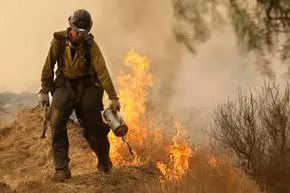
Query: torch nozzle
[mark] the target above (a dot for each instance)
(129, 147)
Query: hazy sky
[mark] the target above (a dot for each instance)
(180, 78)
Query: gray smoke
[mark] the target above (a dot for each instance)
(180, 79)
(117, 28)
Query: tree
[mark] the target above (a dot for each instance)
(261, 26)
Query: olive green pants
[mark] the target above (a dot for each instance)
(88, 110)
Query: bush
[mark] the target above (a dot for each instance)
(255, 128)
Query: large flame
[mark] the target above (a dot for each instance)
(133, 90)
(148, 140)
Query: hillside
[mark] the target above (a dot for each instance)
(26, 166)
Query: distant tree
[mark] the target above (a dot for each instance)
(261, 26)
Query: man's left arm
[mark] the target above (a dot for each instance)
(101, 70)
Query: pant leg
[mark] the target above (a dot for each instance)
(95, 130)
(61, 109)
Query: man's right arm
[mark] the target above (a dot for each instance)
(47, 74)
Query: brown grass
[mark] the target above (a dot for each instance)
(26, 166)
(255, 128)
(208, 177)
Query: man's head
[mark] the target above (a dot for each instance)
(80, 22)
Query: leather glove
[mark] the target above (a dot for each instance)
(115, 105)
(44, 99)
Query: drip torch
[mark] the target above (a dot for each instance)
(117, 125)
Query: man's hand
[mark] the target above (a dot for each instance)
(44, 99)
(115, 105)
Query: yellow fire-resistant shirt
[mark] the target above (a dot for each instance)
(76, 67)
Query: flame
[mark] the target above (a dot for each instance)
(147, 139)
(180, 154)
(133, 90)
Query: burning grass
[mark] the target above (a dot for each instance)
(147, 137)
(180, 165)
(205, 177)
(163, 161)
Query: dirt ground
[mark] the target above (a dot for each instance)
(26, 166)
(26, 162)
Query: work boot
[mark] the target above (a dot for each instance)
(105, 166)
(62, 175)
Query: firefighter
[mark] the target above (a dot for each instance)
(81, 78)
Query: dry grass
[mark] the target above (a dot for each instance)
(26, 166)
(255, 128)
(208, 175)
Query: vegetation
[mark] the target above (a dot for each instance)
(262, 27)
(255, 128)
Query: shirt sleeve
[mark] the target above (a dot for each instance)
(47, 74)
(99, 65)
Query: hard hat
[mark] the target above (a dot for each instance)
(81, 21)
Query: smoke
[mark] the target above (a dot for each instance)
(147, 27)
(27, 28)
(180, 79)
(118, 26)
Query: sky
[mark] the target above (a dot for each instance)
(181, 79)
